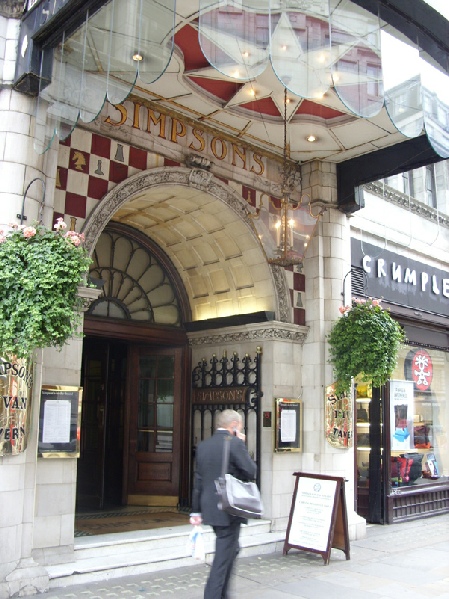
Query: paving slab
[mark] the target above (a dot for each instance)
(410, 559)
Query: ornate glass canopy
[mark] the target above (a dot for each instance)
(311, 45)
(102, 60)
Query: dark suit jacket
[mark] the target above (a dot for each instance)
(209, 459)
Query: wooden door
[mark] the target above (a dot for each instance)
(154, 426)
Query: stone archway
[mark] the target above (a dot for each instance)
(194, 179)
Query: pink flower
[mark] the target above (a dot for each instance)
(376, 302)
(74, 237)
(60, 224)
(2, 237)
(29, 232)
(342, 309)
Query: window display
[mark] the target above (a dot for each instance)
(402, 445)
(419, 417)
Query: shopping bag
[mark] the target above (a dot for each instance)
(239, 498)
(196, 543)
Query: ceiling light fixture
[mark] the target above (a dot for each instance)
(137, 57)
(311, 138)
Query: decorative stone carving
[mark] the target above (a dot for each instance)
(405, 201)
(195, 161)
(282, 293)
(88, 296)
(12, 9)
(294, 333)
(199, 178)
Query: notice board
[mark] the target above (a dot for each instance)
(318, 517)
(59, 421)
(288, 424)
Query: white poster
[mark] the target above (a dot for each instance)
(401, 415)
(56, 425)
(312, 515)
(288, 426)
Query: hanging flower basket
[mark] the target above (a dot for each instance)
(39, 278)
(365, 341)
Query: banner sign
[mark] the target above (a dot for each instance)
(16, 384)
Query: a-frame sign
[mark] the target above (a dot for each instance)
(318, 518)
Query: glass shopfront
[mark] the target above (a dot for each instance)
(419, 418)
(402, 463)
(402, 453)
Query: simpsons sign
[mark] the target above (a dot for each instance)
(16, 381)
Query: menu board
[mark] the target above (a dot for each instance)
(288, 424)
(318, 518)
(59, 421)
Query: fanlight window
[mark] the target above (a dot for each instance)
(135, 285)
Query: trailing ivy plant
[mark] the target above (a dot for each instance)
(40, 273)
(365, 341)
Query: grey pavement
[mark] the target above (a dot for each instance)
(410, 559)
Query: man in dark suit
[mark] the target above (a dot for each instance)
(209, 460)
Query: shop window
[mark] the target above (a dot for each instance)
(430, 190)
(419, 418)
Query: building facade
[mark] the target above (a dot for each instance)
(189, 313)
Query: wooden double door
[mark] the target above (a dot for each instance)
(131, 436)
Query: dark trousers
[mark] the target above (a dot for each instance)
(226, 550)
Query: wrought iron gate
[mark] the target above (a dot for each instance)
(228, 383)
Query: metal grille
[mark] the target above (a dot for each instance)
(226, 374)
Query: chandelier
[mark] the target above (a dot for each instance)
(285, 224)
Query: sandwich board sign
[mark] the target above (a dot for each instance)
(318, 518)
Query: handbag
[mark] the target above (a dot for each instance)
(236, 497)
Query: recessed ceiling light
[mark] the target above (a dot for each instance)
(245, 54)
(137, 57)
(311, 138)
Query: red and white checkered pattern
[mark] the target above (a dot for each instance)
(90, 165)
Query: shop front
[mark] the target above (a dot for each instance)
(402, 462)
